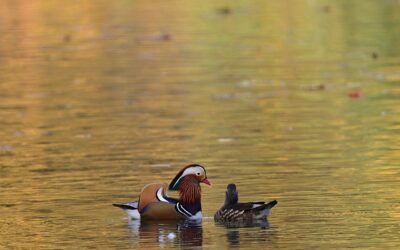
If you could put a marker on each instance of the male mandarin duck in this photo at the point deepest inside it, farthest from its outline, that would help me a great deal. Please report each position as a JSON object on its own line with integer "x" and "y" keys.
{"x": 155, "y": 204}
{"x": 232, "y": 210}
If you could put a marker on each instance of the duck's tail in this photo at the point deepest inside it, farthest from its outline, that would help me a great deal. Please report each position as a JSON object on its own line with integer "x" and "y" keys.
{"x": 129, "y": 205}
{"x": 271, "y": 204}
{"x": 263, "y": 211}
{"x": 131, "y": 208}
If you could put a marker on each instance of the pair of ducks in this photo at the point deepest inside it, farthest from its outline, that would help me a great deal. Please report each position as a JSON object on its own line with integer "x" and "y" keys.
{"x": 154, "y": 204}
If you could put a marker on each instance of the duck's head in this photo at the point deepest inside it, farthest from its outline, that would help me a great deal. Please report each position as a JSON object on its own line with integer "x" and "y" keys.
{"x": 195, "y": 172}
{"x": 231, "y": 196}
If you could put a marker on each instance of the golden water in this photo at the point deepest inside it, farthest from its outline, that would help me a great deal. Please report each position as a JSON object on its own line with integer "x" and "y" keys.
{"x": 98, "y": 98}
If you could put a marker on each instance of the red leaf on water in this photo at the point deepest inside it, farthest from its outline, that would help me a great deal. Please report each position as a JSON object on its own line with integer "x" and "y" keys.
{"x": 354, "y": 94}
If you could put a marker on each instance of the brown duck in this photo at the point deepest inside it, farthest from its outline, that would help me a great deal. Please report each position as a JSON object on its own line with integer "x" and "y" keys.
{"x": 232, "y": 210}
{"x": 154, "y": 204}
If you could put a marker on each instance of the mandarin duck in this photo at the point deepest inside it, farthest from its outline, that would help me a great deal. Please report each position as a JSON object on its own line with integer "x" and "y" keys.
{"x": 154, "y": 204}
{"x": 233, "y": 211}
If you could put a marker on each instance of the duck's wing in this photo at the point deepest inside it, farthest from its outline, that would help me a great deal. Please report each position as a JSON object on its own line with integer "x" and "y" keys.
{"x": 153, "y": 193}
{"x": 245, "y": 206}
{"x": 246, "y": 211}
{"x": 253, "y": 206}
{"x": 155, "y": 204}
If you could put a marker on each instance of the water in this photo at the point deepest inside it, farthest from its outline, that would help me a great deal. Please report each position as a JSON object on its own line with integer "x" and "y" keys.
{"x": 294, "y": 100}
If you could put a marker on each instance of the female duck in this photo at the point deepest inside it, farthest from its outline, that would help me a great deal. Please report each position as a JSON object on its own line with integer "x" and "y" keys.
{"x": 232, "y": 210}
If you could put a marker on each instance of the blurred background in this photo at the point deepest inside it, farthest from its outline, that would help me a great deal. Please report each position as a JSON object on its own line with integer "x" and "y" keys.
{"x": 291, "y": 100}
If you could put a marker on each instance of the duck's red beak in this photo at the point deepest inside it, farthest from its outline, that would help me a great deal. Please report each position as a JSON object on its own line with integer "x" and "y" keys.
{"x": 206, "y": 181}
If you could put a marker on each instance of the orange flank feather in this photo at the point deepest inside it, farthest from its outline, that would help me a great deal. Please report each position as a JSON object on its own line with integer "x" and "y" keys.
{"x": 161, "y": 211}
{"x": 149, "y": 194}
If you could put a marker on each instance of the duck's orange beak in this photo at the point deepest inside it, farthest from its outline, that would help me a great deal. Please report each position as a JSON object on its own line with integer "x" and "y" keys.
{"x": 206, "y": 181}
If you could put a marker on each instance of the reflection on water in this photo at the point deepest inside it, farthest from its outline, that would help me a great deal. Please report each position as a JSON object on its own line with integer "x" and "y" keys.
{"x": 187, "y": 234}
{"x": 263, "y": 224}
{"x": 239, "y": 237}
{"x": 293, "y": 100}
{"x": 234, "y": 230}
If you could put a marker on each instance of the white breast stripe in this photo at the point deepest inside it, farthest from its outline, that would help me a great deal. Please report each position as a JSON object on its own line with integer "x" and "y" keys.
{"x": 179, "y": 208}
{"x": 186, "y": 211}
{"x": 160, "y": 196}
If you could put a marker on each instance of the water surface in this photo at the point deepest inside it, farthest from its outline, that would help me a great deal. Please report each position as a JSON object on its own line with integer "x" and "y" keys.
{"x": 292, "y": 100}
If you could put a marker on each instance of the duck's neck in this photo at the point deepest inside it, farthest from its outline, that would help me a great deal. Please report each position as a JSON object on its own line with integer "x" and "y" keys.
{"x": 231, "y": 197}
{"x": 190, "y": 191}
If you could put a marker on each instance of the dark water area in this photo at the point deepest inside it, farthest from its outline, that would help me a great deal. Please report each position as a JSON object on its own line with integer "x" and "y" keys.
{"x": 297, "y": 101}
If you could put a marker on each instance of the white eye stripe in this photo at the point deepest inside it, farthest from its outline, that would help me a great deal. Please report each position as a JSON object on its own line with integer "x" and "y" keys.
{"x": 193, "y": 170}
{"x": 190, "y": 170}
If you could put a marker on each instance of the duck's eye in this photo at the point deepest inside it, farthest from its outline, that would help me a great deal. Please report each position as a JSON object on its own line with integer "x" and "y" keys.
{"x": 198, "y": 173}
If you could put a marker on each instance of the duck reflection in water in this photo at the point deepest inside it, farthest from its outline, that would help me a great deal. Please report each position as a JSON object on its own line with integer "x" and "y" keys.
{"x": 187, "y": 233}
{"x": 242, "y": 234}
{"x": 262, "y": 223}
{"x": 233, "y": 234}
